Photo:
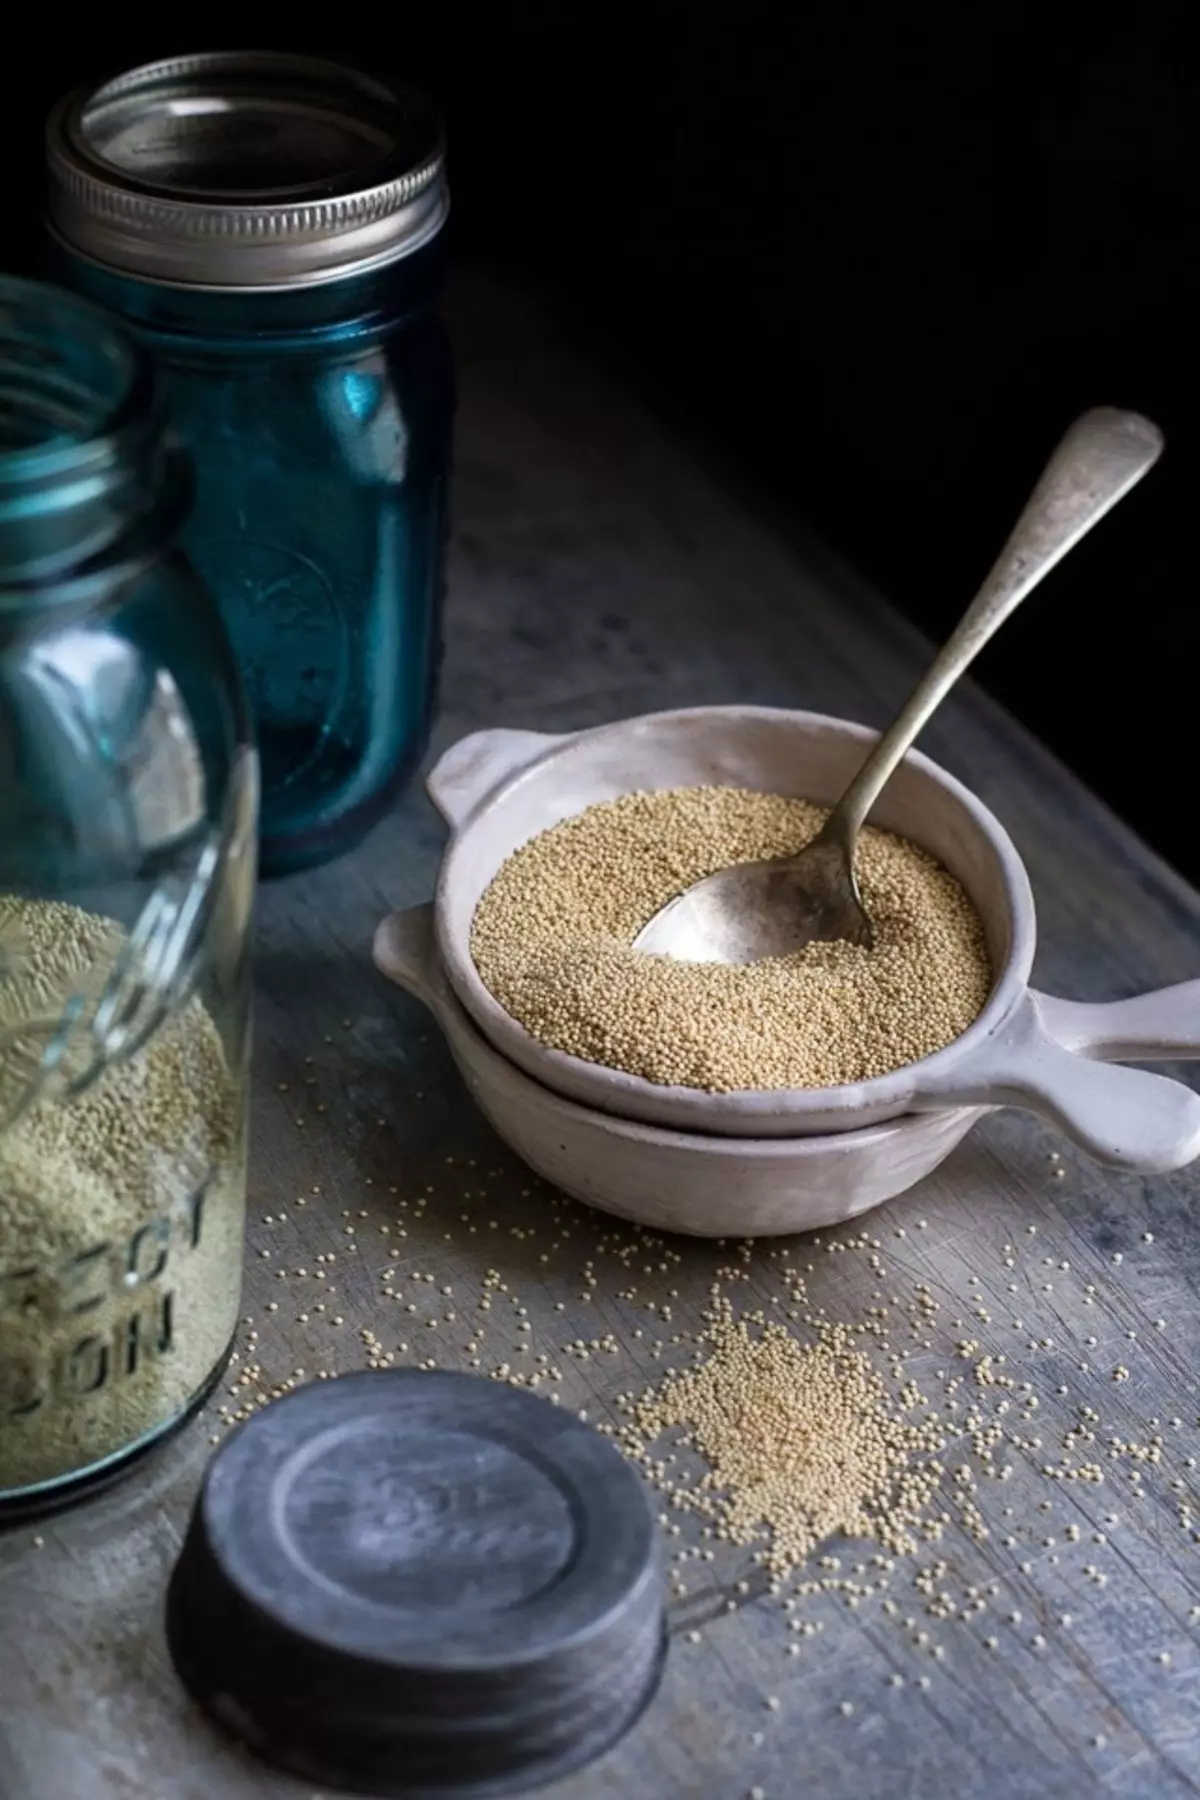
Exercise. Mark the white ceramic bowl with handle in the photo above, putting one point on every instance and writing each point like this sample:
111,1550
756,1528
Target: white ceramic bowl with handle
668,1180
497,789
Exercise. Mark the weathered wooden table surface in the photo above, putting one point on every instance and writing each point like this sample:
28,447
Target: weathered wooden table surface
600,568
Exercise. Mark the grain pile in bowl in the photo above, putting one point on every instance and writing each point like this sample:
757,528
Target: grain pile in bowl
552,939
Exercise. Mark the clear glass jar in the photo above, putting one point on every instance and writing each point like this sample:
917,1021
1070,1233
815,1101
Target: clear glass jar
128,795
270,226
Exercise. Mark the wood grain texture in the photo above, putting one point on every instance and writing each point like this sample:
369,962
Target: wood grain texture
599,568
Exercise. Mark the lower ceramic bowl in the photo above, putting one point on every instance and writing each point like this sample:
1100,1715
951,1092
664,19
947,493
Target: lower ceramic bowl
670,1180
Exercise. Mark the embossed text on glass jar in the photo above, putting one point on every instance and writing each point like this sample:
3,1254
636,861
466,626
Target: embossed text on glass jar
283,270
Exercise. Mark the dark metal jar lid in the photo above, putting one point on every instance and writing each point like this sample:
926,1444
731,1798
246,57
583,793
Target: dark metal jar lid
419,1583
241,170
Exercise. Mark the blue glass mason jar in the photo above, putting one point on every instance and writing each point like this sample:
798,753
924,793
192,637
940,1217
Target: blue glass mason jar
128,795
271,228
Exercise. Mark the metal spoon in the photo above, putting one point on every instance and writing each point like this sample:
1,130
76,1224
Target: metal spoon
772,908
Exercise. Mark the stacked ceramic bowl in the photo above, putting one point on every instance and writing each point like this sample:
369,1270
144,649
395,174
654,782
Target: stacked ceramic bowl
753,1163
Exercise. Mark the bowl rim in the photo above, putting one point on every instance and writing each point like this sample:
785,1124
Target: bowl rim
615,1089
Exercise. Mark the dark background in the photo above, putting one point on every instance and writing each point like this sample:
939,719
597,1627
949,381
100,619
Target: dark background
883,279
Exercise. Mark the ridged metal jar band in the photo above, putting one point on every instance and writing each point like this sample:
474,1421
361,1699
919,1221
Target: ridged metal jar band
245,170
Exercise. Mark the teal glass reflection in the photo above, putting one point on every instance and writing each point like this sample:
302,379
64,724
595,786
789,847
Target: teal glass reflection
318,419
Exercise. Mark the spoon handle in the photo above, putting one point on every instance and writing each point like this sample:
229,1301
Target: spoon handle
1098,460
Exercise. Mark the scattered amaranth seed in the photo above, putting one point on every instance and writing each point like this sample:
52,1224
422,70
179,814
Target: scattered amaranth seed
803,1440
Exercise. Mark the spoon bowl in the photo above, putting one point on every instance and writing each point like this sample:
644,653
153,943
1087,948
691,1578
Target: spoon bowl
759,909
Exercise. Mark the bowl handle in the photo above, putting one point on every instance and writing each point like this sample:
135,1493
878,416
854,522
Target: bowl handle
405,950
1127,1118
468,771
1160,1027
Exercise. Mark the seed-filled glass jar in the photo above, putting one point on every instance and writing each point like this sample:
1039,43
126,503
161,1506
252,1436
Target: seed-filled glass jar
128,794
270,225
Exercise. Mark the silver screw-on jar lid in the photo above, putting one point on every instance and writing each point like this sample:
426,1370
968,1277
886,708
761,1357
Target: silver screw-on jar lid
245,170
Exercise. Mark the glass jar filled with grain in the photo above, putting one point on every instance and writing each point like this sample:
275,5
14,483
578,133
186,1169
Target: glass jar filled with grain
128,800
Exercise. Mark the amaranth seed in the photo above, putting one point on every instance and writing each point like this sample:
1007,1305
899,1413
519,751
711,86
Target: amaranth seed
121,1212
552,938
803,1440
